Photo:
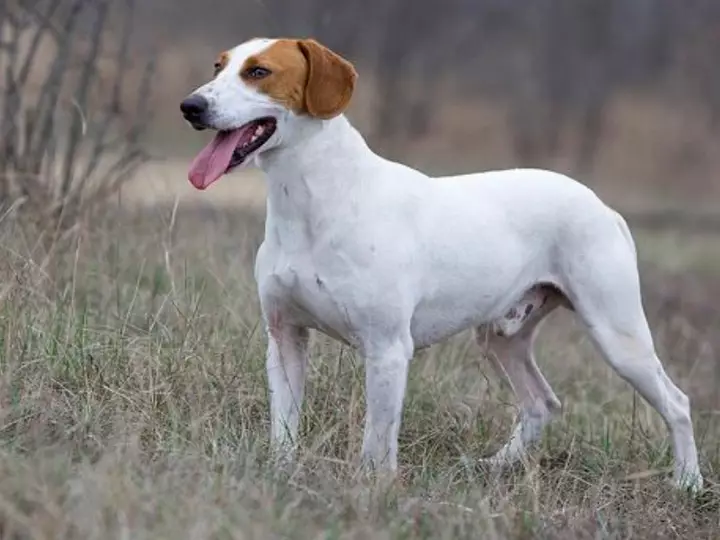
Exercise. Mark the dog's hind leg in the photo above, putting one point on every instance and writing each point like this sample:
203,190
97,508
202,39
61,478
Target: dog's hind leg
631,353
508,345
607,298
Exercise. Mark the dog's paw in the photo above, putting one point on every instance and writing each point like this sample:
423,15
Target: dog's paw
491,466
692,483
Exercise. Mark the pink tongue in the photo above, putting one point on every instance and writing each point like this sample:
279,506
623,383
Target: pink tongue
213,160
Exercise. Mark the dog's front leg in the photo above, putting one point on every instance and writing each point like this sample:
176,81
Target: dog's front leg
287,359
385,379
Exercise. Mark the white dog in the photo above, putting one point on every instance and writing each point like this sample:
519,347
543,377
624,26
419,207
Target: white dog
388,260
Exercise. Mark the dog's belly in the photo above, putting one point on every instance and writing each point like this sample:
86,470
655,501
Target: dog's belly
433,323
462,297
456,296
432,326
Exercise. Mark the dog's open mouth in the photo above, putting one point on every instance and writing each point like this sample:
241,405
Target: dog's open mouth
228,150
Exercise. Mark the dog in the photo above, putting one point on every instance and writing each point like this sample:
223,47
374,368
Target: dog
389,261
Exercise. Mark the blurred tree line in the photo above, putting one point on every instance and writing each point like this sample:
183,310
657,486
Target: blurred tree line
557,62
80,84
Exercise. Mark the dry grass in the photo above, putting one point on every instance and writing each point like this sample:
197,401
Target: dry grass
134,406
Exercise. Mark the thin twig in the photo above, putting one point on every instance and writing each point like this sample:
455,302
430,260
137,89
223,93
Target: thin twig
50,91
113,108
84,84
42,29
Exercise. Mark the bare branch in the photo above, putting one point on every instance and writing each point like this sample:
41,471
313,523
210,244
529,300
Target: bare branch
133,157
11,96
143,113
51,88
35,148
43,19
114,107
122,57
42,29
89,70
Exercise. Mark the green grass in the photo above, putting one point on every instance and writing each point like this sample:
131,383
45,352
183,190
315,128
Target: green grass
133,404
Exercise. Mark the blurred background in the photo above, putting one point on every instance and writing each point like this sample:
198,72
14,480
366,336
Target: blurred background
622,94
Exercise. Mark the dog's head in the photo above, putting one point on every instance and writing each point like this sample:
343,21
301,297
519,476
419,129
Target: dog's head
259,88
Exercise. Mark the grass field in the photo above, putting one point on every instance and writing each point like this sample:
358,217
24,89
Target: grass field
134,404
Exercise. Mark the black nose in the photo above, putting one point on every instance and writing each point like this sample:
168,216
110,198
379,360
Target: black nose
194,106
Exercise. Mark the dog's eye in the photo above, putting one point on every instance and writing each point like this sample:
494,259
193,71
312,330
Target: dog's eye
256,72
217,68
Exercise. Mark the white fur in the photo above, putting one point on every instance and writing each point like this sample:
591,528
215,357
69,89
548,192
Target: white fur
389,260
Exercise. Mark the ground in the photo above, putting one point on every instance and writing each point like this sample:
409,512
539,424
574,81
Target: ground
134,403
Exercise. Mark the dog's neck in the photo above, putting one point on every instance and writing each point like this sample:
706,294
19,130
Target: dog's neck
315,174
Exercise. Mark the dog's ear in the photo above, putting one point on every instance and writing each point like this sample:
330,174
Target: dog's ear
330,83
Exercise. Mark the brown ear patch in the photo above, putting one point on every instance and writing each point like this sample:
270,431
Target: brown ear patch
331,80
304,76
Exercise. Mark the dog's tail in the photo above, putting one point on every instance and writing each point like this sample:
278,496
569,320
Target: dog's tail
625,230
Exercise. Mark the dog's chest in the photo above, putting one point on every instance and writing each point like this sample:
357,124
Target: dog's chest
305,292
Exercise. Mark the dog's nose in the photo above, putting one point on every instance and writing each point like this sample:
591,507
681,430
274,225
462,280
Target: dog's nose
194,105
